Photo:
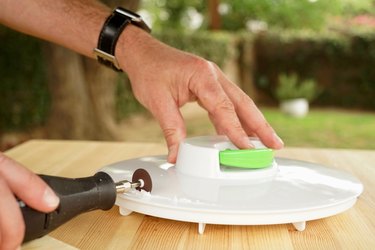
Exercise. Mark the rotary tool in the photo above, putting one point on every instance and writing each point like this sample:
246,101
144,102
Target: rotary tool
77,196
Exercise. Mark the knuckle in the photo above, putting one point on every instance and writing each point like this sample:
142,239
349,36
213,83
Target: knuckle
204,67
201,63
264,125
232,130
168,132
224,105
173,135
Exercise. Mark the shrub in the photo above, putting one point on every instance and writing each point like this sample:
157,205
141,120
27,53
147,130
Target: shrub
24,98
290,87
214,46
341,64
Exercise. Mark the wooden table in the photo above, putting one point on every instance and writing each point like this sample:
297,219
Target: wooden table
353,229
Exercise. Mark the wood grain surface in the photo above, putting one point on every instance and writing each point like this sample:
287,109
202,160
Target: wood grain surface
353,229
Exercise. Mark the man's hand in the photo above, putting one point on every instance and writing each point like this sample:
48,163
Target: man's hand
15,180
164,79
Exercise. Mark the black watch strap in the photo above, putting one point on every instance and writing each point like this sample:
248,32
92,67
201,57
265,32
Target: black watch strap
112,29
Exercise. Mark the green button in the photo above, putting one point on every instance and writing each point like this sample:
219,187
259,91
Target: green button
246,158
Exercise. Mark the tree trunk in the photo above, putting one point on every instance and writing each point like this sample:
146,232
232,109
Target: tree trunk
247,65
214,15
101,85
79,91
82,93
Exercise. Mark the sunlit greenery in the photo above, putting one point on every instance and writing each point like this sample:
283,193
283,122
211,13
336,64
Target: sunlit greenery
238,14
290,87
311,14
325,128
171,14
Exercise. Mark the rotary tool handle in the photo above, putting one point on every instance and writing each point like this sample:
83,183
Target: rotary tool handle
76,196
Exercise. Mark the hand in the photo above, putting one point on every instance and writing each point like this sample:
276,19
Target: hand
164,79
15,180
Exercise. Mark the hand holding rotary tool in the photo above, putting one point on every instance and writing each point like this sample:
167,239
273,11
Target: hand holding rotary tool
78,196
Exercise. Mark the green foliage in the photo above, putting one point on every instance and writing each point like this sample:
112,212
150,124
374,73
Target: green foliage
294,14
291,14
325,128
341,63
214,46
355,7
24,98
290,87
171,14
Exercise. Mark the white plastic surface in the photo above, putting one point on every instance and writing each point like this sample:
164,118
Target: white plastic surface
199,157
295,193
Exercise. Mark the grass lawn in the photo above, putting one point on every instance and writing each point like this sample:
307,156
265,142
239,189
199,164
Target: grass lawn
325,128
321,128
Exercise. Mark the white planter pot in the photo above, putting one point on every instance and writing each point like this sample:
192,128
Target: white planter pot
295,107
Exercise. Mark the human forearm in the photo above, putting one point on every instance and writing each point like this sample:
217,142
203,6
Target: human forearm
163,78
74,24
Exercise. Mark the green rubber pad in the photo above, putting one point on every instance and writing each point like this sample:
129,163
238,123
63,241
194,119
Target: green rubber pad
246,158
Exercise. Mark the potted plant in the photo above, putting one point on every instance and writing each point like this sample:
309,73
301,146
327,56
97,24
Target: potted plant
294,95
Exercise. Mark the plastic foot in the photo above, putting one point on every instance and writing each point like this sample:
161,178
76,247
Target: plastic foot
300,226
201,227
124,211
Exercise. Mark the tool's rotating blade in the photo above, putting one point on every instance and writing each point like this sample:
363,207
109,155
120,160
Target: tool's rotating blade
142,176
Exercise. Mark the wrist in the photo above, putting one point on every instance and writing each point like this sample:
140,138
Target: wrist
130,46
115,26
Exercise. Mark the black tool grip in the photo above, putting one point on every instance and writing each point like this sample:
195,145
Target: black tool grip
76,196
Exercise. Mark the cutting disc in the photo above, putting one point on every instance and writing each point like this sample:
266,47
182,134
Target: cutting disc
141,175
288,191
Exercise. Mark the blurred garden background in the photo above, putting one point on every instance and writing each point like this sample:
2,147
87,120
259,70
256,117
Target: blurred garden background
275,50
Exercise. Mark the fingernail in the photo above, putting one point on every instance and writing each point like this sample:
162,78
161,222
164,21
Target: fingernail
50,198
278,139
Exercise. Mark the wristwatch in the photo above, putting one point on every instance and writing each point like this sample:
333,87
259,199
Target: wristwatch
112,28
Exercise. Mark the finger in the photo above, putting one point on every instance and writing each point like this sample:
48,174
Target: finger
251,118
27,186
12,227
221,110
172,124
226,122
260,127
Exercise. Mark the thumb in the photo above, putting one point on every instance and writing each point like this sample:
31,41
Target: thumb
27,186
